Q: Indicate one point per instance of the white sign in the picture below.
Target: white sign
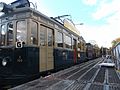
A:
(19, 44)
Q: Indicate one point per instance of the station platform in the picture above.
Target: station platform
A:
(85, 76)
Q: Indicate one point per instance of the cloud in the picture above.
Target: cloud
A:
(89, 2)
(103, 35)
(109, 11)
(41, 7)
(6, 1)
(105, 9)
(114, 19)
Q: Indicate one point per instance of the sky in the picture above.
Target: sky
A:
(100, 18)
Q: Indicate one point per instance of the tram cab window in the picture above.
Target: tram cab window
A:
(59, 39)
(21, 31)
(3, 34)
(10, 34)
(68, 42)
(46, 36)
(34, 33)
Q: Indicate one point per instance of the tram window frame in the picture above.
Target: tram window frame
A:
(59, 39)
(43, 38)
(21, 34)
(10, 34)
(68, 41)
(3, 35)
(50, 37)
(79, 48)
(34, 33)
(81, 45)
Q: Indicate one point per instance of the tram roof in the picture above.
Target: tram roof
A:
(29, 9)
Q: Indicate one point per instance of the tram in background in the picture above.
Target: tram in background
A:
(105, 51)
(92, 51)
(89, 51)
(32, 43)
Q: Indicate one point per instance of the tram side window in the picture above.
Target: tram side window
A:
(3, 34)
(59, 39)
(21, 31)
(10, 34)
(34, 33)
(68, 42)
(79, 45)
(83, 47)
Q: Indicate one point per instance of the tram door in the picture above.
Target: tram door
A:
(46, 49)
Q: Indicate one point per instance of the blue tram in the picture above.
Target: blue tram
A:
(32, 43)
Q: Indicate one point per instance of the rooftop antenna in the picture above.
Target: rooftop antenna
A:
(60, 17)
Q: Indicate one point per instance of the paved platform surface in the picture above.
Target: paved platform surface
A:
(85, 76)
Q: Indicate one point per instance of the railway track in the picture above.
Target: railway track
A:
(61, 74)
(86, 76)
(76, 69)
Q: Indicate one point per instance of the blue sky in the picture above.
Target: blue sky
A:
(101, 18)
(79, 11)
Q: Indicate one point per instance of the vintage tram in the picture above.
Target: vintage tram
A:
(32, 43)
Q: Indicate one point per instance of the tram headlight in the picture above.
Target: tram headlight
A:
(4, 62)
